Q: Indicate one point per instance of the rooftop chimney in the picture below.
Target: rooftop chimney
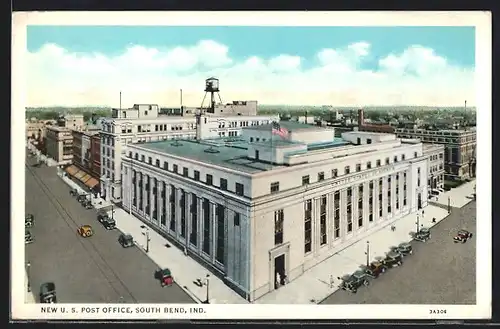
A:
(361, 118)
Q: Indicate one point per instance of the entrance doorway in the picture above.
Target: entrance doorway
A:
(419, 202)
(279, 268)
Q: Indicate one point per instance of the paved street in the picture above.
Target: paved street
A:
(438, 272)
(91, 270)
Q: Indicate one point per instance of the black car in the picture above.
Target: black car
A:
(82, 198)
(423, 234)
(28, 237)
(404, 249)
(101, 215)
(108, 223)
(126, 240)
(73, 192)
(393, 259)
(48, 293)
(354, 281)
(29, 220)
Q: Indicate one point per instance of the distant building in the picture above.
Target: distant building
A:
(459, 149)
(83, 158)
(306, 119)
(59, 144)
(435, 166)
(375, 128)
(71, 121)
(244, 108)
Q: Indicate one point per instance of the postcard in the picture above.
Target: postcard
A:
(251, 165)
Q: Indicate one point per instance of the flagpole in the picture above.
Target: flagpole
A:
(272, 150)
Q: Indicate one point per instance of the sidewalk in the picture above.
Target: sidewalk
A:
(459, 196)
(98, 203)
(41, 157)
(29, 298)
(314, 285)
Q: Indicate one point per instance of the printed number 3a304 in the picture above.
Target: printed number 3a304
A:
(437, 311)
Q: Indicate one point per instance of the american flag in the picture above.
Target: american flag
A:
(278, 130)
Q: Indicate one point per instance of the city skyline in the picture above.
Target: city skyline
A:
(339, 66)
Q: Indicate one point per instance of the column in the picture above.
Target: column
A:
(330, 212)
(393, 193)
(343, 214)
(355, 215)
(227, 212)
(200, 224)
(213, 233)
(144, 200)
(366, 204)
(316, 225)
(159, 201)
(178, 213)
(188, 199)
(384, 197)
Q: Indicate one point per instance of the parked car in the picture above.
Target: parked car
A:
(85, 231)
(462, 236)
(423, 234)
(87, 204)
(73, 192)
(109, 223)
(355, 281)
(48, 293)
(81, 198)
(393, 259)
(29, 220)
(101, 215)
(126, 240)
(28, 237)
(404, 249)
(375, 269)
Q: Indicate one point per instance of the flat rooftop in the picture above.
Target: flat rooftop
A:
(289, 125)
(428, 147)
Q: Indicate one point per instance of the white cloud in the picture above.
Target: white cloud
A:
(416, 76)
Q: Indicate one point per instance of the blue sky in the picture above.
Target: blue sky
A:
(283, 56)
(454, 43)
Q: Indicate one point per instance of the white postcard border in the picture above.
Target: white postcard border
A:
(482, 23)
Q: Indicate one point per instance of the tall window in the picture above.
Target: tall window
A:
(321, 176)
(349, 210)
(141, 191)
(134, 188)
(155, 199)
(183, 213)
(307, 226)
(389, 185)
(358, 167)
(347, 170)
(239, 189)
(360, 206)
(172, 207)
(278, 227)
(206, 226)
(209, 179)
(397, 191)
(336, 215)
(223, 184)
(404, 189)
(305, 180)
(380, 205)
(219, 256)
(163, 217)
(370, 203)
(322, 220)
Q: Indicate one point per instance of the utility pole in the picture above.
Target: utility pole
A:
(449, 205)
(120, 99)
(147, 240)
(112, 212)
(418, 223)
(208, 288)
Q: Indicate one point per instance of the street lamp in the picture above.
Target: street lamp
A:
(28, 266)
(146, 233)
(418, 223)
(367, 253)
(112, 212)
(207, 283)
(449, 205)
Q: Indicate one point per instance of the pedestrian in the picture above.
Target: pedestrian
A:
(434, 220)
(393, 228)
(283, 279)
(278, 280)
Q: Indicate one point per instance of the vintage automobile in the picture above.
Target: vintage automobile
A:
(85, 231)
(126, 240)
(48, 293)
(109, 223)
(165, 277)
(393, 259)
(28, 237)
(462, 236)
(101, 215)
(375, 269)
(73, 192)
(354, 281)
(423, 234)
(81, 198)
(404, 249)
(29, 220)
(87, 204)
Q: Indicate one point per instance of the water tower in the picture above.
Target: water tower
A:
(212, 87)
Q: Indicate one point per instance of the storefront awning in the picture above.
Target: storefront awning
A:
(85, 178)
(72, 170)
(92, 182)
(79, 174)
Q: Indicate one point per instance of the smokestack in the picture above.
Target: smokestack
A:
(465, 115)
(120, 99)
(361, 118)
(181, 99)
